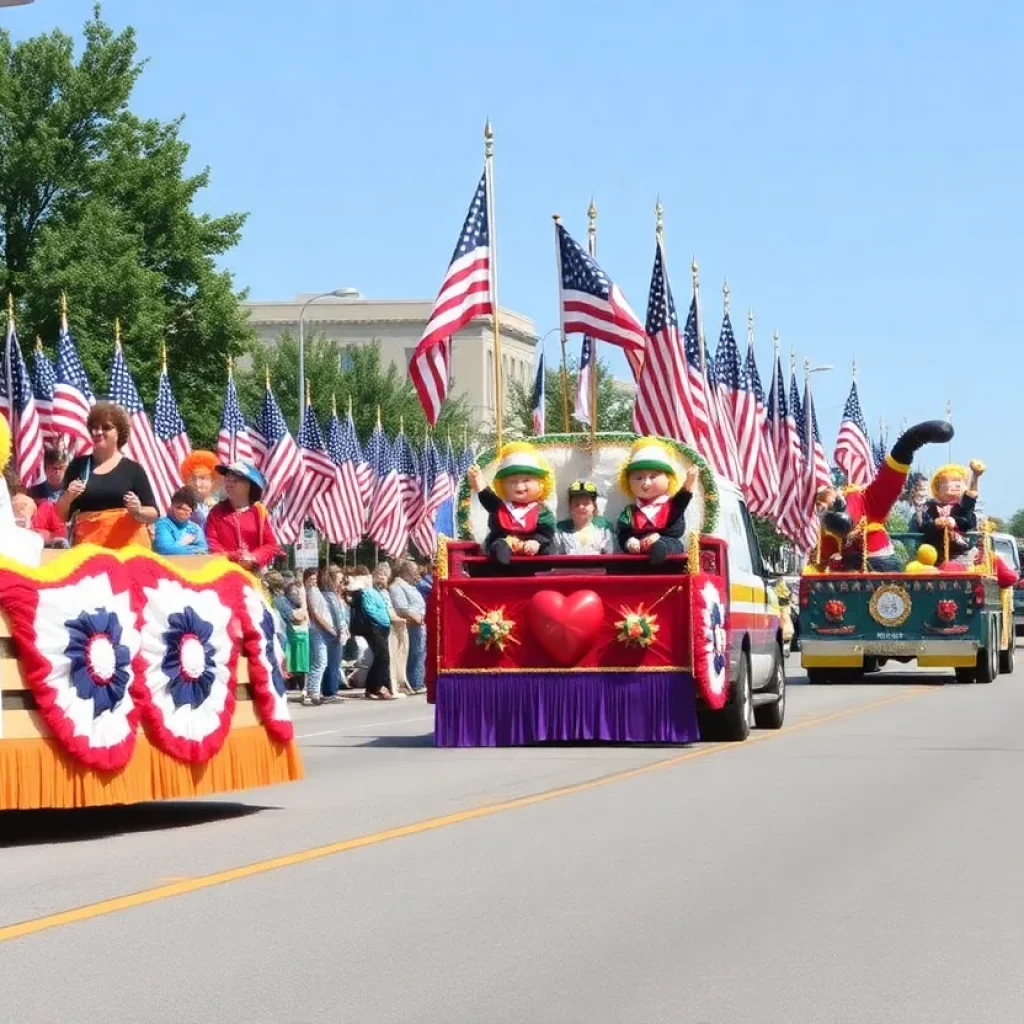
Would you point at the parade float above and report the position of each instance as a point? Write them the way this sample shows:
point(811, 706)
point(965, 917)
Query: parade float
point(604, 647)
point(128, 677)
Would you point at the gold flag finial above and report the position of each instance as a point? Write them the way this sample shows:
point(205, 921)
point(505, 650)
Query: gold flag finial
point(695, 271)
point(855, 371)
point(750, 324)
point(10, 307)
point(659, 218)
point(334, 405)
point(807, 367)
point(725, 296)
point(350, 405)
point(792, 360)
point(488, 139)
point(163, 357)
point(307, 392)
point(378, 415)
point(592, 223)
point(775, 342)
point(267, 375)
point(401, 423)
point(64, 304)
point(557, 218)
point(231, 366)
point(117, 331)
point(39, 344)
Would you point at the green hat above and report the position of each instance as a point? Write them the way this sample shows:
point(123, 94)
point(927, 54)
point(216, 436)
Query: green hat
point(651, 457)
point(520, 464)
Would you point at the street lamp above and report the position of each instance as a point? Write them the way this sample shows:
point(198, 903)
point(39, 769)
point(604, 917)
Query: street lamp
point(15, 3)
point(338, 293)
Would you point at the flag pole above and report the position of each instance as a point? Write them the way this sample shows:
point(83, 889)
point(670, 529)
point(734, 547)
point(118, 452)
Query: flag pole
point(8, 375)
point(949, 419)
point(493, 265)
point(695, 273)
point(776, 374)
point(592, 247)
point(561, 320)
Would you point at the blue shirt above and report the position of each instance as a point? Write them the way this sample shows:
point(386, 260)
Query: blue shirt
point(425, 584)
point(376, 608)
point(168, 536)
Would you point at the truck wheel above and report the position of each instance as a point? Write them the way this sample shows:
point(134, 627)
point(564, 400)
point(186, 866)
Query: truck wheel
point(771, 716)
point(988, 656)
point(732, 723)
point(1009, 656)
point(818, 676)
point(871, 664)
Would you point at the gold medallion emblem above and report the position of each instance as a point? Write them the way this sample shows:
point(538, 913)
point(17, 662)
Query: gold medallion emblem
point(890, 605)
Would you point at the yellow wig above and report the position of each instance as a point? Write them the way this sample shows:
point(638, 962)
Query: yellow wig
point(950, 469)
point(5, 443)
point(638, 446)
point(547, 476)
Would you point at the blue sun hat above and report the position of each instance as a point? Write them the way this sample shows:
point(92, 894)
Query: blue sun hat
point(247, 471)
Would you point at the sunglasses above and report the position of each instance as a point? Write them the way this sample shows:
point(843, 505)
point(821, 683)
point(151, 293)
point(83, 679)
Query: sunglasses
point(585, 486)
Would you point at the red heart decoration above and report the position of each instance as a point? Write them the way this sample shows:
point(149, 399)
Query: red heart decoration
point(565, 625)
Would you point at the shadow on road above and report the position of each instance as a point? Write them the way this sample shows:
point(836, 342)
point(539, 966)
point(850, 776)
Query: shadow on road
point(425, 740)
point(26, 828)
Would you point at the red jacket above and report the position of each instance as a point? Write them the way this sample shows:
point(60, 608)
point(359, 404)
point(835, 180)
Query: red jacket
point(875, 503)
point(237, 533)
point(46, 522)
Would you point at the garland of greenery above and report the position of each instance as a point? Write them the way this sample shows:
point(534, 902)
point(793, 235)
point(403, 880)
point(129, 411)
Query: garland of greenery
point(707, 477)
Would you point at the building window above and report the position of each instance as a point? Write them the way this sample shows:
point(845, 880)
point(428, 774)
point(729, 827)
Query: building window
point(346, 361)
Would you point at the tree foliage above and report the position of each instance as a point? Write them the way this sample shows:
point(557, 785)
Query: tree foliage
point(337, 372)
point(614, 407)
point(95, 203)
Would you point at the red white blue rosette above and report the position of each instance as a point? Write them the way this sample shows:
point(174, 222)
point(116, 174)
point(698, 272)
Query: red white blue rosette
point(266, 666)
point(86, 638)
point(188, 665)
point(711, 641)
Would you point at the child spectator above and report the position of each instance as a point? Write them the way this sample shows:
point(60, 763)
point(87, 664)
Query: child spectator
point(176, 533)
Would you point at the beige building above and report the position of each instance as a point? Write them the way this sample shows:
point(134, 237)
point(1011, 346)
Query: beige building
point(398, 325)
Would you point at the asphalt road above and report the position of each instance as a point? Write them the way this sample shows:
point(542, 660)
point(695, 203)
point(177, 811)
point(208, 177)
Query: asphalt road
point(864, 864)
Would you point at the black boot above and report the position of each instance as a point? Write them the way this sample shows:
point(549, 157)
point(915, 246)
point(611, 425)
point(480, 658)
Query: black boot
point(838, 523)
point(657, 552)
point(501, 552)
point(910, 441)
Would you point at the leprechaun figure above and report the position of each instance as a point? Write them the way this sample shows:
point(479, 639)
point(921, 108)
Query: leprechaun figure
point(846, 515)
point(655, 523)
point(951, 508)
point(518, 521)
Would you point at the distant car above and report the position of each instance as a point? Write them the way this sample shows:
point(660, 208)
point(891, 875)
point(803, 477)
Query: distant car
point(1005, 546)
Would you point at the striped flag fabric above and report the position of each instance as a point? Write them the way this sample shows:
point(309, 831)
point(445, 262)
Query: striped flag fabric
point(44, 378)
point(233, 441)
point(168, 424)
point(663, 402)
point(724, 377)
point(282, 461)
point(854, 453)
point(581, 407)
point(880, 447)
point(763, 497)
point(142, 445)
point(538, 404)
point(448, 465)
point(818, 473)
point(437, 490)
point(343, 447)
point(797, 426)
point(465, 294)
point(408, 465)
point(315, 495)
point(387, 526)
point(592, 304)
point(787, 451)
point(18, 405)
point(72, 394)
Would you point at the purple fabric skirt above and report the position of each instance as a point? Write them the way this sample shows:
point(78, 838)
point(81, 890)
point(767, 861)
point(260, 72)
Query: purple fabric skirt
point(510, 709)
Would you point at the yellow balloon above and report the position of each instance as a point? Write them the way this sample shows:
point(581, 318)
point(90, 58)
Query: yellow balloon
point(927, 555)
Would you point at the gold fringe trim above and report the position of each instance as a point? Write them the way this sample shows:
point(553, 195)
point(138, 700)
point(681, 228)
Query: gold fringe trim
point(36, 773)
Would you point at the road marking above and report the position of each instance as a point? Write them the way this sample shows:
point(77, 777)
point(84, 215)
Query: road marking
point(181, 888)
point(363, 725)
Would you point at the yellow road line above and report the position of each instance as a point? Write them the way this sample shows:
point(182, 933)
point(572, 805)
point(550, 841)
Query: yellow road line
point(189, 885)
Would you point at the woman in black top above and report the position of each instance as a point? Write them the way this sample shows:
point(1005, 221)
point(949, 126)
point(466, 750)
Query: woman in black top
point(107, 496)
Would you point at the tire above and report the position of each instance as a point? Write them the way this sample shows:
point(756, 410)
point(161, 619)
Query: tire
point(871, 664)
point(818, 676)
point(1008, 657)
point(731, 724)
point(771, 716)
point(988, 656)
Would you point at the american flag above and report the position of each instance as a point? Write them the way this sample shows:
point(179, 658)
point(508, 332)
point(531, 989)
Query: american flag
point(343, 446)
point(786, 439)
point(72, 394)
point(724, 376)
point(19, 407)
point(168, 425)
point(438, 489)
point(854, 454)
point(233, 441)
point(465, 294)
point(581, 409)
point(142, 445)
point(44, 377)
point(444, 521)
point(408, 467)
point(763, 497)
point(316, 494)
point(387, 527)
point(663, 402)
point(799, 524)
point(592, 304)
point(818, 472)
point(538, 404)
point(282, 461)
point(881, 447)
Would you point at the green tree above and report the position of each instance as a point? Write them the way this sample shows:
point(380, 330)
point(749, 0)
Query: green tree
point(95, 203)
point(342, 372)
point(614, 407)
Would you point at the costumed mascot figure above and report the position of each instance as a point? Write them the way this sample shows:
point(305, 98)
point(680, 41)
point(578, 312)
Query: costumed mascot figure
point(518, 521)
point(950, 510)
point(197, 472)
point(655, 523)
point(16, 543)
point(845, 517)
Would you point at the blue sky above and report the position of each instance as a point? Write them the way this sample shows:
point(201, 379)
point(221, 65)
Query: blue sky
point(854, 170)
